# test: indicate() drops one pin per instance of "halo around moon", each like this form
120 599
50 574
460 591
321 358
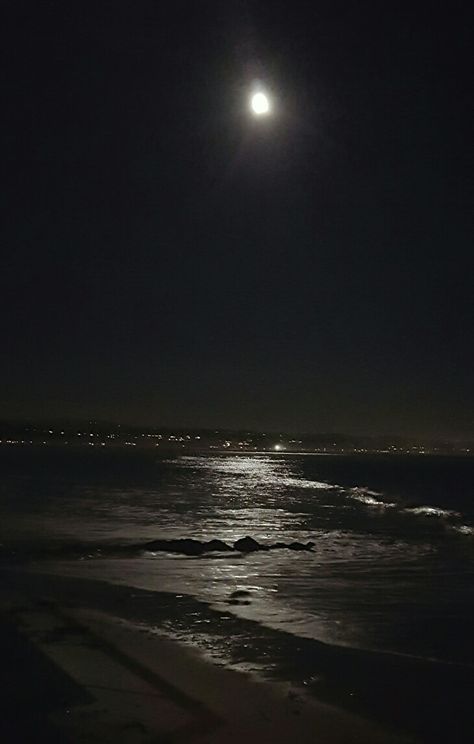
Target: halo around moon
260 104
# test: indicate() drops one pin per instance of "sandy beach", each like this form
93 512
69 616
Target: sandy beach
73 674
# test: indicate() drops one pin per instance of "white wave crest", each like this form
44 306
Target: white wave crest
463 529
301 483
367 497
432 511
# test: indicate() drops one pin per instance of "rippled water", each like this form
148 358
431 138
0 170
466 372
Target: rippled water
391 569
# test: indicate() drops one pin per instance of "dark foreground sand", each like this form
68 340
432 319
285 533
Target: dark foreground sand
83 661
71 674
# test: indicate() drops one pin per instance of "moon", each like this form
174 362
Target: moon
260 104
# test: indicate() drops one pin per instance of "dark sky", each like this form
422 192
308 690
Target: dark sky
169 259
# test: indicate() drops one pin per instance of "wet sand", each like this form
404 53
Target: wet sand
72 674
81 662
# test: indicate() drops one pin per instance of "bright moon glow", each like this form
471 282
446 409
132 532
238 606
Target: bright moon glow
260 104
278 447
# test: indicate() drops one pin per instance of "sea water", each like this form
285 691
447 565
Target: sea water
391 569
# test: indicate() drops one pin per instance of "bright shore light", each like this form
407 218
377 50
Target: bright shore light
260 104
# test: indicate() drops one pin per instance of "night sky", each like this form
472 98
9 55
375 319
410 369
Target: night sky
169 259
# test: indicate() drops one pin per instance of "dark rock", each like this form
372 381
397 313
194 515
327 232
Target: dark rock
186 546
189 546
155 545
247 545
300 546
217 545
240 593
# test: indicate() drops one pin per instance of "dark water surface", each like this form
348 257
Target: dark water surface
391 571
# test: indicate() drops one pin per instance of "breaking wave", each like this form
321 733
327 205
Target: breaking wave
367 497
433 511
463 529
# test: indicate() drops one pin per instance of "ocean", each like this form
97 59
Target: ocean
387 589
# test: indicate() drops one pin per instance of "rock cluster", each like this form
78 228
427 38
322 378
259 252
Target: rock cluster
189 546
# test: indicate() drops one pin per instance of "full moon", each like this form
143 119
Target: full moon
260 104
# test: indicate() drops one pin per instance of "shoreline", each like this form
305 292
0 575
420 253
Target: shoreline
409 695
132 686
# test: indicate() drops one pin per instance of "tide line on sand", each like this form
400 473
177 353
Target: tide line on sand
132 686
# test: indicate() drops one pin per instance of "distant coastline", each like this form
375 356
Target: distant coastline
187 440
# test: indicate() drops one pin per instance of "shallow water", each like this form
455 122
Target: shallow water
391 569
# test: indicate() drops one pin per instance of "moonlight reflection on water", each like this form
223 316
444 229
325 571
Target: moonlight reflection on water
379 543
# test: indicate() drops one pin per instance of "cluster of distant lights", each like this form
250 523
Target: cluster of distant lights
183 440
227 444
